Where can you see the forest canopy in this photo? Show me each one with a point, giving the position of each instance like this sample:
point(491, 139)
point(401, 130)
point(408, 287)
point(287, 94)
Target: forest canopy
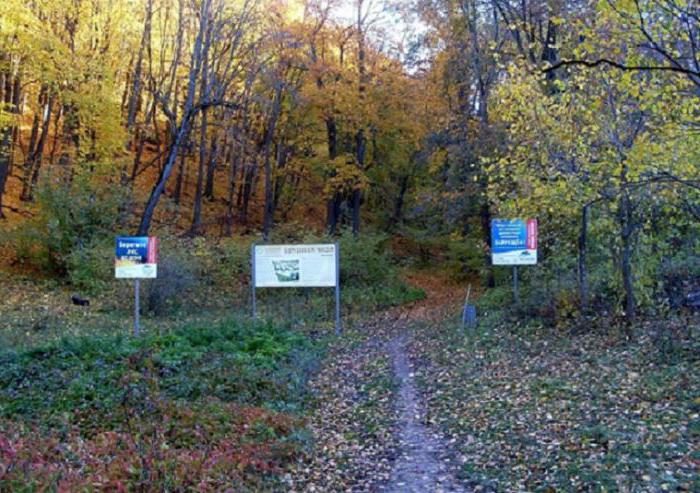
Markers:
point(426, 118)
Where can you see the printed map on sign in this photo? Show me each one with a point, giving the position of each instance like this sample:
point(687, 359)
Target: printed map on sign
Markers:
point(514, 242)
point(278, 266)
point(287, 270)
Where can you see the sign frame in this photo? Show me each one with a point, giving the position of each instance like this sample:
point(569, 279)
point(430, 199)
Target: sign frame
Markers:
point(336, 281)
point(518, 247)
point(138, 256)
point(518, 242)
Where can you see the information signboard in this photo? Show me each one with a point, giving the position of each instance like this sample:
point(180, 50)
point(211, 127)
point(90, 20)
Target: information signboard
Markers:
point(281, 266)
point(514, 242)
point(136, 257)
point(302, 266)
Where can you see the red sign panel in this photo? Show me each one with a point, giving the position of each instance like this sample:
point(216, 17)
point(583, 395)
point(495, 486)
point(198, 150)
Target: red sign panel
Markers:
point(532, 234)
point(152, 255)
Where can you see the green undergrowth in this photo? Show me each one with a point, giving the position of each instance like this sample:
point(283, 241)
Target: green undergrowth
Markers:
point(204, 407)
point(86, 378)
point(536, 408)
point(199, 280)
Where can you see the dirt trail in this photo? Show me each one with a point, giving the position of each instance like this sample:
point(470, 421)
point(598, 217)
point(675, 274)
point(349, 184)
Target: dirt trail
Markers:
point(370, 429)
point(423, 464)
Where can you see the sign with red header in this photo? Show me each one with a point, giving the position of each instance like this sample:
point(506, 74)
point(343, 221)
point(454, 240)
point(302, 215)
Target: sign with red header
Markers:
point(532, 234)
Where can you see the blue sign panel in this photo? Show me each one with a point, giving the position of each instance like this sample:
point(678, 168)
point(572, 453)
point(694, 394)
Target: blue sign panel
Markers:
point(135, 257)
point(513, 242)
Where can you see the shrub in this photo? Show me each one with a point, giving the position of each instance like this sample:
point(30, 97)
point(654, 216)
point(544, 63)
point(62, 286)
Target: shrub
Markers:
point(91, 268)
point(234, 259)
point(680, 275)
point(365, 261)
point(466, 258)
point(71, 216)
point(178, 274)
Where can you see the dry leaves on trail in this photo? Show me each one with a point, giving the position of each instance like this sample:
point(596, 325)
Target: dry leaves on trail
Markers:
point(356, 423)
point(353, 421)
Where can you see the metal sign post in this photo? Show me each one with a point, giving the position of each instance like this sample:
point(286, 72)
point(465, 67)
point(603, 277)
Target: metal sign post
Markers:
point(514, 242)
point(137, 306)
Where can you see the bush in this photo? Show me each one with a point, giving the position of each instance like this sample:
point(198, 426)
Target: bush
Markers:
point(234, 259)
point(365, 261)
point(178, 275)
point(680, 275)
point(466, 258)
point(71, 216)
point(91, 268)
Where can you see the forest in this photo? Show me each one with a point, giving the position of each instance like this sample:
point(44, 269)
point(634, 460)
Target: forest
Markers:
point(399, 130)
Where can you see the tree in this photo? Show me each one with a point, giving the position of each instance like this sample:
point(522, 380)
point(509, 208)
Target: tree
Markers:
point(208, 83)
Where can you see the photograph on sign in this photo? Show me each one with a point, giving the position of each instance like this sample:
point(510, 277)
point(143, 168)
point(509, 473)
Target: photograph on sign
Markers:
point(514, 242)
point(279, 266)
point(136, 257)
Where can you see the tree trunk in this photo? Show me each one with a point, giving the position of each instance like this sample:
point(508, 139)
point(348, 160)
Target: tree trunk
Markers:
point(197, 209)
point(135, 99)
point(31, 170)
point(485, 215)
point(145, 224)
point(334, 201)
point(211, 168)
point(283, 153)
point(5, 151)
point(357, 192)
point(70, 137)
point(179, 183)
point(333, 213)
point(582, 251)
point(269, 212)
point(627, 230)
point(184, 127)
point(398, 204)
point(56, 123)
point(34, 135)
point(235, 163)
point(11, 99)
point(16, 109)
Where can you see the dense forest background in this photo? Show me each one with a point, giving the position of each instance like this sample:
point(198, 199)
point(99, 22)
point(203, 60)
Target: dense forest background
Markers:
point(398, 129)
point(422, 119)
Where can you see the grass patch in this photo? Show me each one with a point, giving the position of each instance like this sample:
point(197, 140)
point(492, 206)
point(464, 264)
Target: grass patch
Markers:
point(533, 409)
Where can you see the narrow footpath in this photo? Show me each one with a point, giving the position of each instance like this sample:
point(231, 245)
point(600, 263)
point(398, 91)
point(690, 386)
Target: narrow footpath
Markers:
point(424, 459)
point(370, 431)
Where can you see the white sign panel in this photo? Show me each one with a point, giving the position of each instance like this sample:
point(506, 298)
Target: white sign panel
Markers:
point(281, 266)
